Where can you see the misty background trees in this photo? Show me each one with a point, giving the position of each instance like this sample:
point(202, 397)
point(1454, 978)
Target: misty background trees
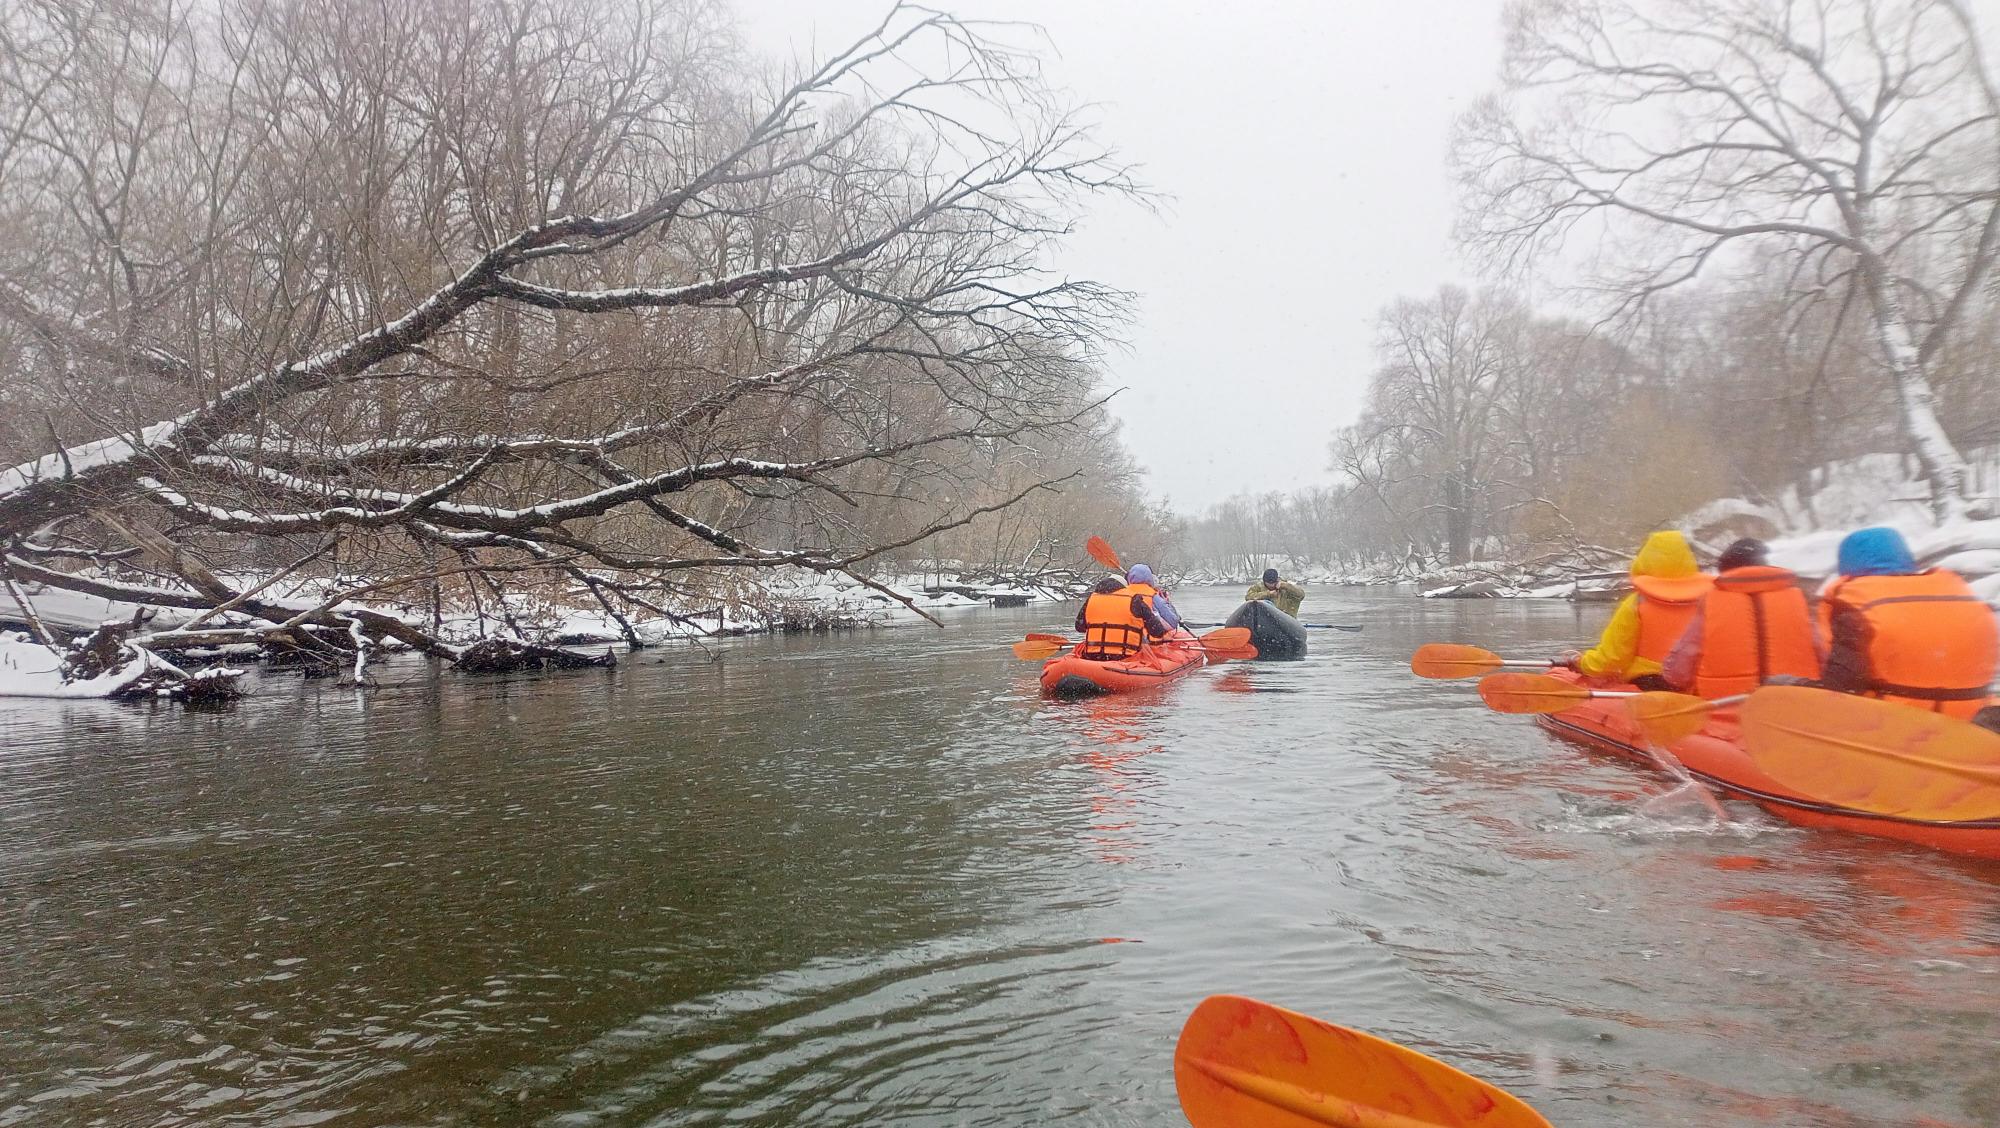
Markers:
point(1733, 241)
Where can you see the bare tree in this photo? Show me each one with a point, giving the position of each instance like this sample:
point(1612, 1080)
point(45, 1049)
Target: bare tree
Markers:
point(1434, 402)
point(1858, 140)
point(465, 293)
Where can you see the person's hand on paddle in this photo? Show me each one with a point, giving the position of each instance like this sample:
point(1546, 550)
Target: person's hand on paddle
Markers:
point(1567, 660)
point(1789, 679)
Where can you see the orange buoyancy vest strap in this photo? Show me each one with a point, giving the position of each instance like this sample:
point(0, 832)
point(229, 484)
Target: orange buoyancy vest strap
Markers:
point(1110, 629)
point(1755, 625)
point(1929, 637)
point(1661, 624)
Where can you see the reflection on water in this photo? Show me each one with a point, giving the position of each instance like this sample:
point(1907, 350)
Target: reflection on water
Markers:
point(877, 880)
point(1107, 734)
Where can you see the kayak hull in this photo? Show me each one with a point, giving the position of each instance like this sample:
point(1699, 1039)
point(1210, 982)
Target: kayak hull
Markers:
point(1068, 677)
point(1715, 756)
point(1276, 635)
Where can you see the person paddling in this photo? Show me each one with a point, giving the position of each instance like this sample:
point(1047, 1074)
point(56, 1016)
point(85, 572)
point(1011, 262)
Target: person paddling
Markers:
point(1283, 594)
point(1667, 586)
point(1116, 620)
point(1140, 582)
point(1921, 638)
point(1753, 627)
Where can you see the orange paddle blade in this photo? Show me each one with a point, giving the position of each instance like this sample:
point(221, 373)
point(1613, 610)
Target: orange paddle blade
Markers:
point(1101, 552)
point(1874, 755)
point(1667, 717)
point(1245, 1064)
point(1451, 660)
point(1243, 654)
point(1530, 693)
point(1035, 649)
point(1059, 640)
point(1226, 638)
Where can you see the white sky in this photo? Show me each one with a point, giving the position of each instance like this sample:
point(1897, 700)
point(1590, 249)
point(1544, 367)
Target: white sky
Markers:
point(1303, 143)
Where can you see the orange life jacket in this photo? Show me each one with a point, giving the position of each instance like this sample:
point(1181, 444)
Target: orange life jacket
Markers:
point(1665, 610)
point(1755, 625)
point(1931, 642)
point(1110, 629)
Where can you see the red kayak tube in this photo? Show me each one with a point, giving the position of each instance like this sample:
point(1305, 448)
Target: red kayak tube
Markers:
point(1158, 663)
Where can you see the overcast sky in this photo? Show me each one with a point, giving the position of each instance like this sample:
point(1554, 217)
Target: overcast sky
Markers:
point(1303, 143)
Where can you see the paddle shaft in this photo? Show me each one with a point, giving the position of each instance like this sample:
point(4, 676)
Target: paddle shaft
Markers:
point(1716, 703)
point(1308, 626)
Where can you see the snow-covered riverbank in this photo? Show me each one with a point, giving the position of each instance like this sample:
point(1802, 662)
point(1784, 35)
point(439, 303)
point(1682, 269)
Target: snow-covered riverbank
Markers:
point(781, 600)
point(1803, 529)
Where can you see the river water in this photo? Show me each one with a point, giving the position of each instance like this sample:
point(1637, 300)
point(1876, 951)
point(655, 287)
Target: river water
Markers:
point(875, 880)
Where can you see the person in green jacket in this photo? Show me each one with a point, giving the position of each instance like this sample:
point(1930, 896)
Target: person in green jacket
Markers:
point(1285, 594)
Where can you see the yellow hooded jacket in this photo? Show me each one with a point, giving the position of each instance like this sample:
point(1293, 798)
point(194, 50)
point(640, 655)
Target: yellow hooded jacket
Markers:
point(1664, 567)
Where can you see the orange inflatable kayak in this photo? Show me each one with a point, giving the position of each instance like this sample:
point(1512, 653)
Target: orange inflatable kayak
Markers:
point(1157, 663)
point(1715, 755)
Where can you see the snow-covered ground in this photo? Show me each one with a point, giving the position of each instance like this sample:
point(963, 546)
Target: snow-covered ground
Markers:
point(786, 599)
point(1875, 489)
point(29, 669)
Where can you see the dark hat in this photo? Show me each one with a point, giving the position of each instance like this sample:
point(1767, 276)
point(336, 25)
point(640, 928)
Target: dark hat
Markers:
point(1270, 575)
point(1749, 552)
point(1109, 584)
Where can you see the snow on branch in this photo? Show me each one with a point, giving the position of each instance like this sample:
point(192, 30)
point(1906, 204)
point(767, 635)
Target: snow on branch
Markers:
point(819, 314)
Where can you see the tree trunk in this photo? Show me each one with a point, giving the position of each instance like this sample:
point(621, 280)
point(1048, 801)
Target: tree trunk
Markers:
point(1457, 519)
point(1943, 464)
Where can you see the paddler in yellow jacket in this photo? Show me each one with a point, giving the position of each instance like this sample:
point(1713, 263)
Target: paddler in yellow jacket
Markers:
point(1667, 588)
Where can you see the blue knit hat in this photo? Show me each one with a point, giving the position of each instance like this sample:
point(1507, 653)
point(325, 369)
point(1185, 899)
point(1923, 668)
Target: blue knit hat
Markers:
point(1876, 551)
point(1140, 574)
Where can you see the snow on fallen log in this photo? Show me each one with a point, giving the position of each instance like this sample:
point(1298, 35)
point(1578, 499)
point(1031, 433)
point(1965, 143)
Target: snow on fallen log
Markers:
point(103, 666)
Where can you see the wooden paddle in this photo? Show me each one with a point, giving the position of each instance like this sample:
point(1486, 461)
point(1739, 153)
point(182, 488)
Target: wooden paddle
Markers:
point(1101, 552)
point(1241, 1063)
point(1873, 755)
point(1452, 660)
point(1229, 642)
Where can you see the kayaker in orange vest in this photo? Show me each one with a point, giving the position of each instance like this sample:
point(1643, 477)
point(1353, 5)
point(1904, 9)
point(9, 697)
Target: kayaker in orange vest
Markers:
point(1116, 620)
point(1140, 579)
point(1919, 637)
point(1754, 626)
point(1667, 586)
